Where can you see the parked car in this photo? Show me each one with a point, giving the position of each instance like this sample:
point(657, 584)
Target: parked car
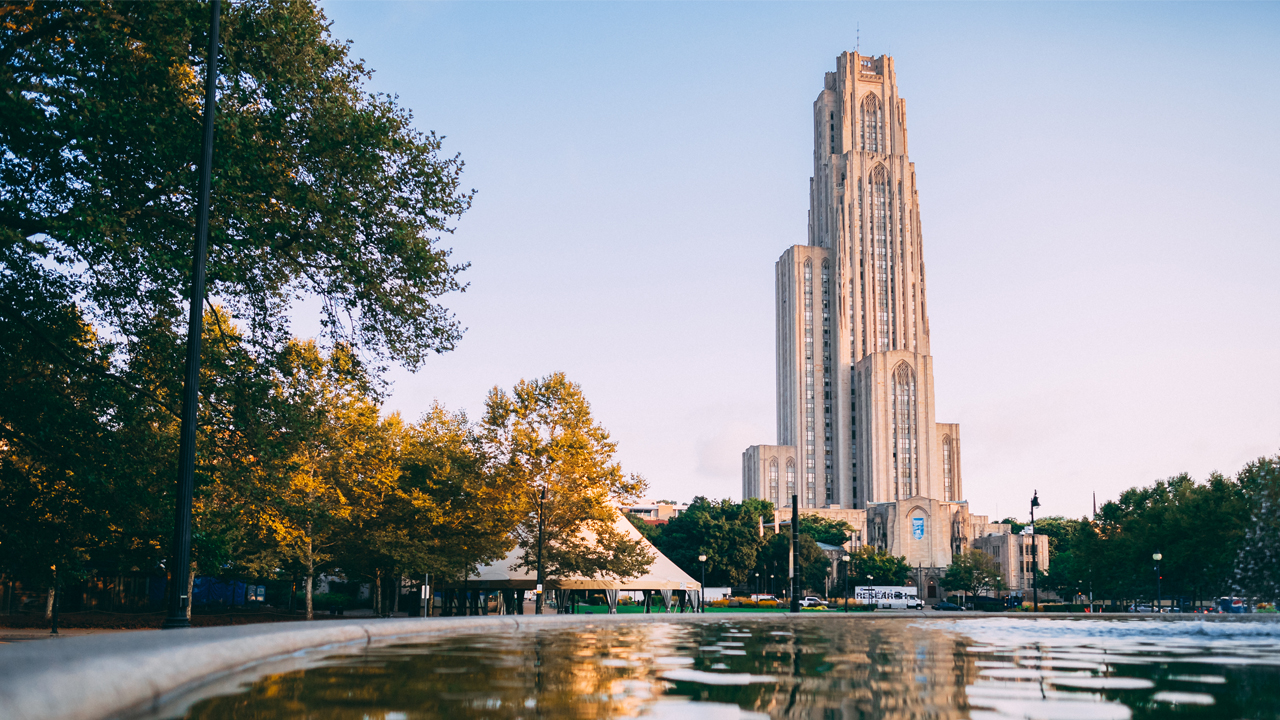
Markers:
point(947, 606)
point(812, 601)
point(764, 597)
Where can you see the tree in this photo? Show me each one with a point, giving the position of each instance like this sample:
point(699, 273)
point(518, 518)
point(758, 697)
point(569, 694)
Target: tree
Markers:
point(826, 530)
point(813, 564)
point(884, 569)
point(319, 187)
point(450, 514)
point(973, 572)
point(541, 436)
point(728, 533)
point(1258, 559)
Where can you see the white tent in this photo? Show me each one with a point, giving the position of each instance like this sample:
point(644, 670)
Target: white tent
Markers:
point(662, 575)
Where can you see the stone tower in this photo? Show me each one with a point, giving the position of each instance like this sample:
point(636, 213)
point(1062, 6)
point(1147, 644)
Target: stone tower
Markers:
point(857, 435)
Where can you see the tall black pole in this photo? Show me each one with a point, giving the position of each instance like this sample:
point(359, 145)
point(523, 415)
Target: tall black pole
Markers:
point(1035, 559)
point(795, 553)
point(537, 596)
point(195, 325)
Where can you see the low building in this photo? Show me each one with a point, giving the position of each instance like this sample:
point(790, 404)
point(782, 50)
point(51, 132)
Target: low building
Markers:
point(1013, 555)
point(657, 513)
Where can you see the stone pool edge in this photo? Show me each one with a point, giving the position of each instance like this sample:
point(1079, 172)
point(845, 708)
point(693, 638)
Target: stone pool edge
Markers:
point(125, 675)
point(97, 677)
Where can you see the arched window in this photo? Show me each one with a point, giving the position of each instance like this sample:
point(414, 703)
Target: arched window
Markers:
point(947, 485)
point(872, 124)
point(880, 193)
point(773, 482)
point(903, 417)
point(810, 430)
point(791, 482)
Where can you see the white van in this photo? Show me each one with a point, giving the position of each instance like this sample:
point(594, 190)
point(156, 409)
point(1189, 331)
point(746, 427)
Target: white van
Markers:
point(889, 597)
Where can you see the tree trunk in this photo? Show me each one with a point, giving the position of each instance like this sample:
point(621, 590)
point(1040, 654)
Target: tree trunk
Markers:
point(377, 592)
point(395, 600)
point(310, 580)
point(191, 585)
point(48, 606)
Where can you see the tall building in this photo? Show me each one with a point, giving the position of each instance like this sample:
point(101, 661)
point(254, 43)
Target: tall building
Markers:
point(857, 435)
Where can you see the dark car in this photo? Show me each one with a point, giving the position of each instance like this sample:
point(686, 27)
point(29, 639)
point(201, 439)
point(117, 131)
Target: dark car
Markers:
point(947, 606)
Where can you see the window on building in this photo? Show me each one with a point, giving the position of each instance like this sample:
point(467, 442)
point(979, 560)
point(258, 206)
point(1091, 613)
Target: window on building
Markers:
point(872, 124)
point(791, 483)
point(947, 492)
point(773, 483)
point(882, 255)
point(903, 417)
point(810, 446)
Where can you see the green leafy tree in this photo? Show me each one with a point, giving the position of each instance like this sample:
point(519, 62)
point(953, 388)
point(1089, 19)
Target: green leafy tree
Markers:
point(1258, 558)
point(728, 533)
point(826, 530)
point(813, 563)
point(883, 568)
point(542, 436)
point(319, 187)
point(973, 572)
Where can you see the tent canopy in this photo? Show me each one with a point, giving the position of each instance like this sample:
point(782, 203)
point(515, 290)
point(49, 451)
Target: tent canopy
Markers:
point(661, 575)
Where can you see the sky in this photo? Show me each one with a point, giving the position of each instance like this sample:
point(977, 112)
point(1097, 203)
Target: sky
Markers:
point(1100, 201)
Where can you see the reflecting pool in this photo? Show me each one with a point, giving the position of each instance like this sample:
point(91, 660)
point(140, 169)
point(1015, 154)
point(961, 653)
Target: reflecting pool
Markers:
point(823, 668)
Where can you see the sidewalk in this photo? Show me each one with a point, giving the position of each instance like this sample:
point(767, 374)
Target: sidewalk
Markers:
point(12, 635)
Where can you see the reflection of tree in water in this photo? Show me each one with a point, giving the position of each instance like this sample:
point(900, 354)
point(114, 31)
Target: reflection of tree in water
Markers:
point(826, 669)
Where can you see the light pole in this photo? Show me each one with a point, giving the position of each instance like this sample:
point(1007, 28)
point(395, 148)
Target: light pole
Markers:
point(537, 596)
point(1035, 559)
point(178, 599)
point(702, 560)
point(1159, 599)
point(847, 558)
point(771, 588)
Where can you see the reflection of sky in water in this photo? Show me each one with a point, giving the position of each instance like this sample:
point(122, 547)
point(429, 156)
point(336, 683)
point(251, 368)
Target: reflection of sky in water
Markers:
point(827, 668)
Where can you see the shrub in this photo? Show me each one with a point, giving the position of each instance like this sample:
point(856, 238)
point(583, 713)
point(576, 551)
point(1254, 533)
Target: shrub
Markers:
point(722, 603)
point(770, 604)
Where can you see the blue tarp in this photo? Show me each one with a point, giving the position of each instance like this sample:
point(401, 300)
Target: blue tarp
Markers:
point(211, 591)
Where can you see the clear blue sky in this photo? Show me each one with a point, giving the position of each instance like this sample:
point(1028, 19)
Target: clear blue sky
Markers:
point(1100, 193)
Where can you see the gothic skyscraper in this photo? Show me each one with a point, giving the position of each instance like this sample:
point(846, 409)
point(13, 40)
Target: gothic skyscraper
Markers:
point(857, 435)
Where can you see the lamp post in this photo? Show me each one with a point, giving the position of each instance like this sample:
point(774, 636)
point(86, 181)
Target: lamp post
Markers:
point(1035, 559)
point(847, 558)
point(771, 589)
point(537, 596)
point(702, 560)
point(1159, 599)
point(178, 600)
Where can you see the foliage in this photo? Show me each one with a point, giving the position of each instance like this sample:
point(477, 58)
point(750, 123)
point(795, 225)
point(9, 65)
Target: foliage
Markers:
point(825, 530)
point(813, 565)
point(884, 569)
point(542, 438)
point(319, 187)
point(728, 533)
point(1258, 557)
point(973, 572)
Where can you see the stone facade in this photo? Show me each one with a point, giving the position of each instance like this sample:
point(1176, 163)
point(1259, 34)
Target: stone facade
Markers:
point(855, 390)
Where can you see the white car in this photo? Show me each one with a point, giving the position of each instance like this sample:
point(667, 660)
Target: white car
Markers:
point(813, 602)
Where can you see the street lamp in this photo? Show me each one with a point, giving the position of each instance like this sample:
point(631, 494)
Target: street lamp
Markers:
point(757, 583)
point(847, 558)
point(1158, 557)
point(771, 590)
point(178, 600)
point(702, 560)
point(1035, 559)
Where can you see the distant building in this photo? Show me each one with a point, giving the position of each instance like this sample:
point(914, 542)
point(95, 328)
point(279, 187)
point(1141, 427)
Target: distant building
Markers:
point(857, 436)
point(1012, 553)
point(656, 513)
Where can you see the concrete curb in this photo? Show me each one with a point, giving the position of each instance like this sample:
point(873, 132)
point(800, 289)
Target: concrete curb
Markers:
point(104, 676)
point(127, 674)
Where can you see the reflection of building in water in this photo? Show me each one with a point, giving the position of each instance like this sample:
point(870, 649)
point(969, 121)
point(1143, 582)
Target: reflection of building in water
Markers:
point(857, 435)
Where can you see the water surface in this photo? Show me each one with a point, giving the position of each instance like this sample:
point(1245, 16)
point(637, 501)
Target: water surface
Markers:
point(822, 668)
